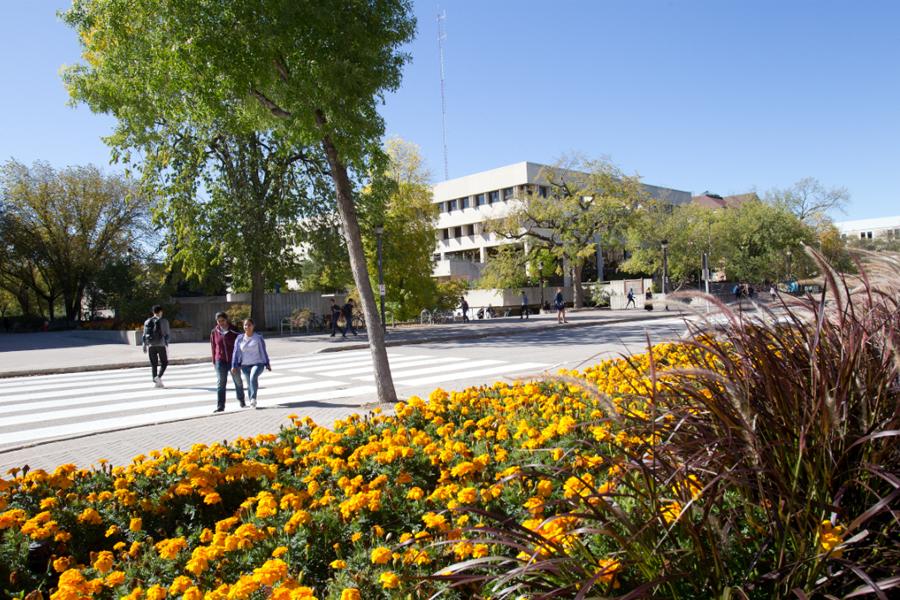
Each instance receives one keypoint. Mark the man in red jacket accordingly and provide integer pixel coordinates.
(221, 340)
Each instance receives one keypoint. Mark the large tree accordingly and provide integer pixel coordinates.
(61, 227)
(688, 230)
(584, 198)
(809, 200)
(402, 205)
(313, 70)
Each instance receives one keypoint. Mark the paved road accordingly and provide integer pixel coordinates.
(116, 414)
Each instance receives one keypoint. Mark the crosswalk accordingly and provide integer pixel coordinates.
(48, 407)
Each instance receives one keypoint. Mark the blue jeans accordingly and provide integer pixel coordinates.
(252, 372)
(222, 369)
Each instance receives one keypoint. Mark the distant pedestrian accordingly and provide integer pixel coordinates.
(221, 341)
(560, 303)
(631, 301)
(489, 312)
(736, 291)
(648, 300)
(465, 310)
(524, 301)
(348, 317)
(773, 291)
(250, 357)
(335, 317)
(155, 341)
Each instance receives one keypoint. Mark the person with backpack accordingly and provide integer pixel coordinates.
(155, 342)
(631, 301)
(560, 303)
(250, 357)
(523, 299)
(221, 340)
(335, 317)
(348, 317)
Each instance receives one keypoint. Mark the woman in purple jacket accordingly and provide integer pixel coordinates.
(250, 357)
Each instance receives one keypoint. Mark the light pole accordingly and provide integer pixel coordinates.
(665, 267)
(379, 229)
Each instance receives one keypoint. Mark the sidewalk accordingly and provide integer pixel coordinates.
(64, 352)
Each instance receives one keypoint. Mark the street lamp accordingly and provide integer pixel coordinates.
(665, 267)
(665, 262)
(379, 229)
(789, 255)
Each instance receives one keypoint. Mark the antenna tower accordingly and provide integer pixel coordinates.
(441, 17)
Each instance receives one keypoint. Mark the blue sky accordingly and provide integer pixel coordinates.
(719, 95)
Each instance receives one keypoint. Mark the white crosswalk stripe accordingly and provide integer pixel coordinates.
(72, 404)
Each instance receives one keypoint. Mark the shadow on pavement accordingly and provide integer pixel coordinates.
(17, 342)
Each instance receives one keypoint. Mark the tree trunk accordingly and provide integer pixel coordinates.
(577, 288)
(347, 210)
(258, 298)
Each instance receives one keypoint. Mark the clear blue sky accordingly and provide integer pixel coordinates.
(719, 95)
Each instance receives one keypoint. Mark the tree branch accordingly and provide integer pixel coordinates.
(270, 104)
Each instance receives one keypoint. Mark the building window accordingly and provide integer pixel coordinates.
(543, 192)
(464, 202)
(457, 232)
(470, 229)
(479, 200)
(494, 197)
(508, 193)
(446, 234)
(451, 206)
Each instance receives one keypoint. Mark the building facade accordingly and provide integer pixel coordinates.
(869, 229)
(467, 203)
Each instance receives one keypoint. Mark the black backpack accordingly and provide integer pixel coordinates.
(153, 335)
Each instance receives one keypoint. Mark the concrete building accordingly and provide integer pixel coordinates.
(467, 203)
(868, 229)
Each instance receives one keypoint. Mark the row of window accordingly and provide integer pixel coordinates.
(487, 198)
(458, 232)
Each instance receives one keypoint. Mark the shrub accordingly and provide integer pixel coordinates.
(238, 312)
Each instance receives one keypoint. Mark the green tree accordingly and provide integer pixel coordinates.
(688, 231)
(809, 200)
(408, 218)
(586, 198)
(755, 238)
(314, 71)
(61, 227)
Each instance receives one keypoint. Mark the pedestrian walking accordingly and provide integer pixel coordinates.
(251, 358)
(335, 317)
(221, 341)
(465, 310)
(560, 303)
(648, 300)
(631, 301)
(155, 342)
(524, 300)
(348, 316)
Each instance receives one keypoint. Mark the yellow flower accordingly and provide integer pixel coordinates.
(381, 555)
(338, 564)
(156, 592)
(136, 524)
(169, 549)
(389, 580)
(114, 579)
(415, 493)
(350, 594)
(104, 562)
(830, 539)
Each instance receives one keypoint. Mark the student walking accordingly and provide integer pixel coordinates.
(156, 343)
(251, 358)
(348, 316)
(465, 310)
(524, 300)
(335, 317)
(221, 340)
(560, 303)
(648, 300)
(631, 301)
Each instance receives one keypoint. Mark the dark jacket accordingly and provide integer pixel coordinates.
(348, 311)
(223, 345)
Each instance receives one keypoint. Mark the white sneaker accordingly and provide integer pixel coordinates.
(252, 402)
(158, 382)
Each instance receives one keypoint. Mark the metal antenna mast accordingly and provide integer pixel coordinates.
(442, 15)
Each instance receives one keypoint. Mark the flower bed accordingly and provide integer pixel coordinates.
(307, 511)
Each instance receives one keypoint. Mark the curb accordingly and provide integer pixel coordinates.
(345, 347)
